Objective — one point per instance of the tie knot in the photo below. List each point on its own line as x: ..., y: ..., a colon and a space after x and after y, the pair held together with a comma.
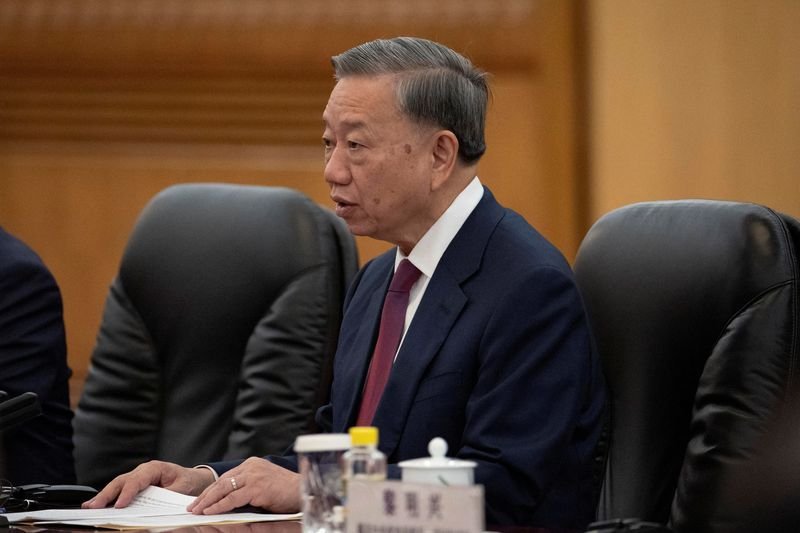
x: 404, y: 277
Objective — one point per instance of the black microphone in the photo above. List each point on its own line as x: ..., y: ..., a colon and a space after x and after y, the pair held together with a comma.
x: 19, y: 409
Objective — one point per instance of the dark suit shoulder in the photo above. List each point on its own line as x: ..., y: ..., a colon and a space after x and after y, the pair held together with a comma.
x: 514, y: 237
x: 17, y: 258
x: 25, y: 281
x: 33, y: 355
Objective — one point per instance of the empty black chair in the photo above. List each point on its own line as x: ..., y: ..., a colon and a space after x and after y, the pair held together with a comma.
x: 218, y: 331
x: 694, y: 306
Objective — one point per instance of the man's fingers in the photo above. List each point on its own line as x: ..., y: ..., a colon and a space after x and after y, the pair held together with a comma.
x: 123, y: 489
x: 214, y: 493
x: 202, y: 497
x: 137, y: 480
x: 105, y: 496
x: 98, y: 502
x: 234, y: 499
x: 130, y: 489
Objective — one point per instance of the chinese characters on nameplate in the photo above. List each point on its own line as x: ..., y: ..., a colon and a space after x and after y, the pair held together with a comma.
x: 395, y: 507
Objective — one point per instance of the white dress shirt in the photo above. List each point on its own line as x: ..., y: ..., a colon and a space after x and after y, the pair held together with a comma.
x: 431, y: 247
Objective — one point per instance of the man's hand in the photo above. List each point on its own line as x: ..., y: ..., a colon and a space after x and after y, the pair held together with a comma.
x: 168, y: 475
x: 255, y: 482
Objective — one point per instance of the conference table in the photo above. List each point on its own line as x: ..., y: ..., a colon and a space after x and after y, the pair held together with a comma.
x: 288, y: 526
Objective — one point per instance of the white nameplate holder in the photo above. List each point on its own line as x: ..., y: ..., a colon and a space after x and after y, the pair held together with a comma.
x: 394, y: 506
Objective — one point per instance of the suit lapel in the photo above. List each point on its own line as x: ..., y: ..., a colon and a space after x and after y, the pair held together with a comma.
x: 359, y: 350
x: 440, y: 307
x: 430, y: 327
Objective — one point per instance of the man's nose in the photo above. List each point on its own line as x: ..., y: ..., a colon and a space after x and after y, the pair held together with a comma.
x: 336, y: 169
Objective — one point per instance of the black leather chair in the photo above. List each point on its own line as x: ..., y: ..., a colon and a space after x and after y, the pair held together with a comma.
x: 218, y: 332
x: 696, y: 314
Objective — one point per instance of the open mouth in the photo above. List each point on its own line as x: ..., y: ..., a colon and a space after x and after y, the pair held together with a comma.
x: 343, y: 209
x: 342, y: 206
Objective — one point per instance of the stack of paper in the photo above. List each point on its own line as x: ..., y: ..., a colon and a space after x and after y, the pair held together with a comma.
x: 152, y: 508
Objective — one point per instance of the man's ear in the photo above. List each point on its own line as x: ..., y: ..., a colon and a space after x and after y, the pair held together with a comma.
x: 445, y: 155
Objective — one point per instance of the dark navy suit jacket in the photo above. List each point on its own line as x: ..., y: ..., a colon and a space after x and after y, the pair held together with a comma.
x: 33, y: 359
x: 498, y: 360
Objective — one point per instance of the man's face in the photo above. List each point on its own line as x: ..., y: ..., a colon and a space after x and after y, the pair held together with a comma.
x: 377, y: 161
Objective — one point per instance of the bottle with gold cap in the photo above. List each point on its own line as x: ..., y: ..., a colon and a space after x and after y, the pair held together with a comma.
x: 364, y: 460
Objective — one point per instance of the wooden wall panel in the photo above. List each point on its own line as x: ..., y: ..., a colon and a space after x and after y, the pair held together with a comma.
x: 286, y: 36
x: 105, y: 102
x: 147, y: 108
x: 695, y: 99
x: 77, y: 208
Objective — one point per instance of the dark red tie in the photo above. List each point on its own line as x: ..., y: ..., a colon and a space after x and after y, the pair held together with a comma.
x: 393, y: 319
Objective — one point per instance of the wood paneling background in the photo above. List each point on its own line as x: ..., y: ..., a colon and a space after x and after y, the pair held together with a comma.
x: 694, y: 98
x: 596, y: 104
x: 105, y: 102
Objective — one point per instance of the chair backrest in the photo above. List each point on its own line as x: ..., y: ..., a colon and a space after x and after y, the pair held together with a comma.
x: 694, y: 308
x: 218, y: 332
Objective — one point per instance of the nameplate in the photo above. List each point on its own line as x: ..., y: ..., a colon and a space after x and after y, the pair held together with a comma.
x: 396, y: 507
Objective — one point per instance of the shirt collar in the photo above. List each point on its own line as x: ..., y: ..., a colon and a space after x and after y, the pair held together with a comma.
x: 431, y: 247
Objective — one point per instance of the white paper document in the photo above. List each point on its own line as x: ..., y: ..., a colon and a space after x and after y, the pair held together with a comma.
x: 153, y: 507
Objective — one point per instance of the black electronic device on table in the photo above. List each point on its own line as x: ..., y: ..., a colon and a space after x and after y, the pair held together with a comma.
x: 39, y: 496
x: 19, y: 409
x: 15, y: 411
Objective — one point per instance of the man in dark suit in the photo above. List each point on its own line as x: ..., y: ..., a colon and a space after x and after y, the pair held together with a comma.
x: 497, y: 356
x: 33, y: 358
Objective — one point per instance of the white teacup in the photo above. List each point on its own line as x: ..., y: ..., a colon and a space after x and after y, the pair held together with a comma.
x: 438, y: 469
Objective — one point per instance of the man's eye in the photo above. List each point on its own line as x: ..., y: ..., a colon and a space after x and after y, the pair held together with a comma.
x: 352, y: 145
x: 327, y: 143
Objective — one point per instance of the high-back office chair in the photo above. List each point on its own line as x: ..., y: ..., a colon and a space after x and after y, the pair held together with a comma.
x: 218, y: 331
x: 696, y: 314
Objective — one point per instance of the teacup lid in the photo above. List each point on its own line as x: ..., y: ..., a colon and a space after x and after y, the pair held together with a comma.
x: 437, y: 447
x: 322, y: 442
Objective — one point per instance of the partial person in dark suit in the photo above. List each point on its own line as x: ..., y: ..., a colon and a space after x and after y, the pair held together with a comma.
x: 33, y: 358
x: 497, y: 356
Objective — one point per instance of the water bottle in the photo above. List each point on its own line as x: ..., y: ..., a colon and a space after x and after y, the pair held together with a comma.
x: 364, y: 460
